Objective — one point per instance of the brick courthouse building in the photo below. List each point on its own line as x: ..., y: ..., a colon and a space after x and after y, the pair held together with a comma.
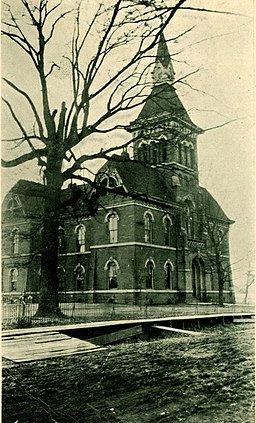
x: 149, y: 238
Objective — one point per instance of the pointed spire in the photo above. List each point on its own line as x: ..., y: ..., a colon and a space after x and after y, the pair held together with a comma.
x: 163, y: 71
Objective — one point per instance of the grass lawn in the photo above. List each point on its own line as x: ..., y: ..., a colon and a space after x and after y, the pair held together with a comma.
x: 172, y: 379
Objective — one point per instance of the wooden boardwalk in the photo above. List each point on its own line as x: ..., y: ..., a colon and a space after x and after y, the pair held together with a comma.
x: 22, y: 345
x: 39, y: 346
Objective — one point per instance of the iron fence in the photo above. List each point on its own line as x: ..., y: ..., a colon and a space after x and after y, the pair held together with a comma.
x: 24, y: 313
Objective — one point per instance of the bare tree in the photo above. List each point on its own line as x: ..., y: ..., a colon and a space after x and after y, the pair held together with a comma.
x: 111, y: 28
x: 217, y: 250
x: 249, y: 282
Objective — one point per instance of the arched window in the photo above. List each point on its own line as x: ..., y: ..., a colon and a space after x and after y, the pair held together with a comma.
x: 189, y: 218
x: 15, y: 241
x: 61, y: 240
x: 150, y: 266
x: 167, y: 230
x: 111, y: 268
x: 168, y: 269
x: 13, y: 203
x: 80, y: 241
x: 13, y: 279
x: 112, y: 219
x: 79, y: 277
x: 148, y: 226
x: 61, y: 275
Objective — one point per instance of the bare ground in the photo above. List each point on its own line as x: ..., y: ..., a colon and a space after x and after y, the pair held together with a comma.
x: 175, y: 379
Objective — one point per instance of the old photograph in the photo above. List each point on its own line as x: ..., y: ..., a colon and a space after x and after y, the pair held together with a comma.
x: 128, y: 204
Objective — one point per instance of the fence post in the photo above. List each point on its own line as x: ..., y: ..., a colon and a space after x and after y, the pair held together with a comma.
x: 113, y: 313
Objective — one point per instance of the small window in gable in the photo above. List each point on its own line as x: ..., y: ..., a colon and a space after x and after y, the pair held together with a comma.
x: 13, y: 204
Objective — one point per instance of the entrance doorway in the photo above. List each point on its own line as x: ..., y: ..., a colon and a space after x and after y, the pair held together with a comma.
x: 198, y: 279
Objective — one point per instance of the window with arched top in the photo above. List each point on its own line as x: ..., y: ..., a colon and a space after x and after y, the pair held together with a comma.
x: 111, y: 268
x: 150, y: 268
x: 13, y: 279
x: 79, y: 277
x: 148, y: 226
x: 61, y: 240
x: 80, y: 240
x: 168, y: 270
x: 15, y: 242
x: 189, y: 219
x: 61, y: 275
x: 167, y: 230
x: 112, y: 219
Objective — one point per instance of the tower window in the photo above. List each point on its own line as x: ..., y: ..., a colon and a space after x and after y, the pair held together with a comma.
x: 148, y: 226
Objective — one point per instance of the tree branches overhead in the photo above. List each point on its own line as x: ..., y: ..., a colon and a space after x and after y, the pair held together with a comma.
x: 110, y: 48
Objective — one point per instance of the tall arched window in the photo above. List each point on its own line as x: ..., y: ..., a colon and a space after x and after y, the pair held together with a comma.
x: 150, y: 266
x: 61, y: 275
x: 79, y: 277
x: 15, y: 241
x: 112, y: 219
x: 168, y: 269
x: 13, y: 279
x: 61, y: 240
x: 148, y: 226
x: 111, y: 268
x: 80, y: 241
x: 167, y: 230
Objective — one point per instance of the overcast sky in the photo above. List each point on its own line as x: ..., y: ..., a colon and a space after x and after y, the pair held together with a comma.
x: 221, y: 48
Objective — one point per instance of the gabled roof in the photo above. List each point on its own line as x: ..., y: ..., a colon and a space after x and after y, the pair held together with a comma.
x: 139, y: 179
x: 212, y: 207
x: 30, y: 196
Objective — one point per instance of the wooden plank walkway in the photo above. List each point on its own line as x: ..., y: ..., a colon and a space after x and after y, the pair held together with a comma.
x: 39, y: 346
x: 110, y: 323
x: 182, y: 331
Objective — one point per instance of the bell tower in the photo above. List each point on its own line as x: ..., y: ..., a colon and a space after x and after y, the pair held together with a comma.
x: 164, y: 135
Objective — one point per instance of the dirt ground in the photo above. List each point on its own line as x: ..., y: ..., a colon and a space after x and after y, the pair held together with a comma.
x: 172, y: 379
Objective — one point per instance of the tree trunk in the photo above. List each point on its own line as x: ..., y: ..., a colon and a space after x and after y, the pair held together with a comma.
x: 48, y: 299
x: 221, y: 296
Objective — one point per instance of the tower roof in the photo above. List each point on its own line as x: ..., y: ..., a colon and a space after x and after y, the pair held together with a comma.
x: 163, y: 70
x: 163, y: 101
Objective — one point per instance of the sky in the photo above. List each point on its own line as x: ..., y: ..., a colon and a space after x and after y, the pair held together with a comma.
x: 218, y: 97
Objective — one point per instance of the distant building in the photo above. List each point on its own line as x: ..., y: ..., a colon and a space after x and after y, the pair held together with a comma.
x: 148, y: 241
